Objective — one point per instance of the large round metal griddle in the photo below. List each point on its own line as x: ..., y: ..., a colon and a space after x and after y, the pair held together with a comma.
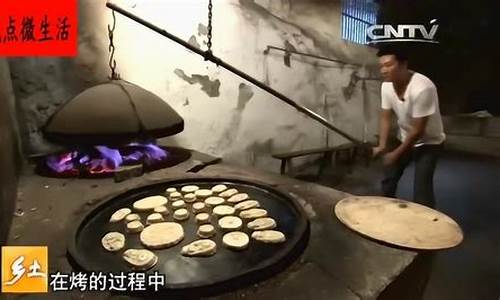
x: 399, y: 222
x: 227, y: 269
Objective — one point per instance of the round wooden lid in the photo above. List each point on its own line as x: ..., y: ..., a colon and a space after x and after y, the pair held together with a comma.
x: 399, y: 222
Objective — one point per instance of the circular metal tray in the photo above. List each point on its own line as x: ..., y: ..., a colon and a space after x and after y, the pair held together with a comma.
x: 226, y: 270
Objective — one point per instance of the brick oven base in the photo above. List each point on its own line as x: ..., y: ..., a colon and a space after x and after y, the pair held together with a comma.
x: 337, y: 263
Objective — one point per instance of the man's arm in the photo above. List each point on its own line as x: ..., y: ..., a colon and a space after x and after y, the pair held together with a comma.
x: 416, y: 133
x: 384, y: 122
x: 385, y: 125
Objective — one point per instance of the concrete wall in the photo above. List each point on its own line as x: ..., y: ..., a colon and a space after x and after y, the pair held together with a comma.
x: 472, y: 126
x: 9, y: 155
x: 224, y: 115
x: 476, y: 135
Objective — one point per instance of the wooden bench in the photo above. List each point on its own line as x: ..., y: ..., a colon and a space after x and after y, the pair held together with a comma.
x: 327, y: 152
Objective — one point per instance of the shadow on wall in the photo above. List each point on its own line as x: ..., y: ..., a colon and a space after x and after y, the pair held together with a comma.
x: 255, y: 150
x: 263, y: 150
x: 210, y: 87
x: 259, y: 149
x: 245, y: 93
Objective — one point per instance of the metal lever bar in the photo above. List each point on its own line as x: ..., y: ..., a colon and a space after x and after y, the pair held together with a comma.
x: 269, y: 47
x: 209, y: 56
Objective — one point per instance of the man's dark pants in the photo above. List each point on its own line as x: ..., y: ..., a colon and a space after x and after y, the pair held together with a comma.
x: 425, y: 158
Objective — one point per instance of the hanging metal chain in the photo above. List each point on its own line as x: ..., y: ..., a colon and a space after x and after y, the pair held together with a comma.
x: 209, y: 35
x: 112, y: 62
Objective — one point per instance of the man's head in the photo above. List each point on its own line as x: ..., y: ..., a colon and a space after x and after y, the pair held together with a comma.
x: 393, y: 63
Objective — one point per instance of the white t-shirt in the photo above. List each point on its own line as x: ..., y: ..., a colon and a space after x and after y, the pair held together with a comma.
x: 420, y: 100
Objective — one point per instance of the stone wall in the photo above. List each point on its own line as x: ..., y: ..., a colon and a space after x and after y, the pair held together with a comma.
x: 9, y: 155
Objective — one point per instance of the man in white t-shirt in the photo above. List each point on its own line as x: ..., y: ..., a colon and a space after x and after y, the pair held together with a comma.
x: 413, y: 98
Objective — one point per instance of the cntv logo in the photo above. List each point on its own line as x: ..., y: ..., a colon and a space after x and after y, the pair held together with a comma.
x: 402, y: 33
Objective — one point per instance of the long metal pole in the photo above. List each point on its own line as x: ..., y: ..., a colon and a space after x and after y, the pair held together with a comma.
x: 269, y: 47
x: 209, y: 56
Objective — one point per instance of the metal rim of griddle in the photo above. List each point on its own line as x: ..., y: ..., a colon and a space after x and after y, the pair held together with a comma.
x: 292, y: 250
x: 180, y: 155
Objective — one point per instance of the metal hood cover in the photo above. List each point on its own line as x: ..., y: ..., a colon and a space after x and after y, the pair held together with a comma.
x: 113, y: 112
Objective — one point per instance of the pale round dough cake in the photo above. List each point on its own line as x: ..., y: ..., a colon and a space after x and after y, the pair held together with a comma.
x: 154, y: 218
x: 253, y: 213
x: 238, y: 198
x: 203, y: 193
x: 175, y: 196
x: 202, y: 218
x: 198, y: 207
x: 113, y: 241
x: 134, y: 226
x: 269, y: 236
x: 262, y: 224
x: 181, y: 214
x: 161, y: 210
x: 149, y: 203
x: 223, y: 210
x: 170, y: 190
x: 202, y: 247
x: 206, y: 231
x: 189, y: 188
x: 191, y: 197
x: 214, y: 201
x: 119, y: 215
x: 132, y: 217
x: 178, y: 204
x: 228, y: 193
x: 236, y: 240
x: 219, y: 188
x: 162, y: 235
x: 248, y: 204
x: 140, y: 259
x: 229, y: 223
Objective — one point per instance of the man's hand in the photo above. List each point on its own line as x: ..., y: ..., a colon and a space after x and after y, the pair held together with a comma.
x: 390, y: 158
x: 376, y: 151
x: 418, y: 128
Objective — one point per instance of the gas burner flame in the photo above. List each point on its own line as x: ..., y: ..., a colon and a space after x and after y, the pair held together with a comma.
x: 103, y: 159
x: 61, y: 163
